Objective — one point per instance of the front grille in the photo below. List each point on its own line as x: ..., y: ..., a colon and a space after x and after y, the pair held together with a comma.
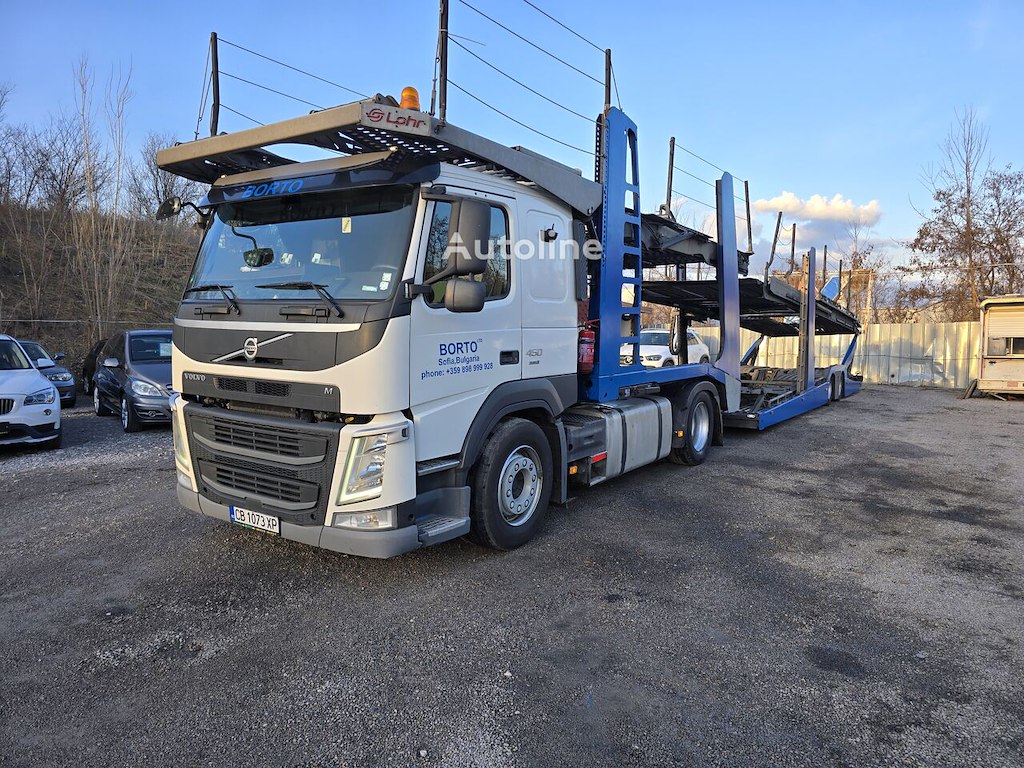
x: 253, y: 386
x: 272, y: 388
x: 250, y: 483
x: 6, y: 406
x: 232, y: 385
x: 275, y: 465
x: 255, y: 438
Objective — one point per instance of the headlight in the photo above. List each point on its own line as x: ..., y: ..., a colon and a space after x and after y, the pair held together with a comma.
x: 145, y: 389
x: 42, y: 397
x: 653, y: 358
x: 367, y: 521
x: 59, y: 376
x: 180, y: 454
x: 364, y: 469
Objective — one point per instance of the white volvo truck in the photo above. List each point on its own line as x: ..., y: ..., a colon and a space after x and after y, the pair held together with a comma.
x: 347, y: 378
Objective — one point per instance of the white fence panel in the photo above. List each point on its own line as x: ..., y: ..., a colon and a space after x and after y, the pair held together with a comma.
x: 920, y: 354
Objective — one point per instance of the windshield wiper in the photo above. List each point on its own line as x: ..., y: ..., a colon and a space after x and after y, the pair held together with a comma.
x: 329, y: 300
x: 225, y: 290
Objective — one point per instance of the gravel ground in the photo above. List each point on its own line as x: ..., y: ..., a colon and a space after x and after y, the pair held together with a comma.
x: 845, y: 589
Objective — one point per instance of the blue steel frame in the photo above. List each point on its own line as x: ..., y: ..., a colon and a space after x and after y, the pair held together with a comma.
x: 621, y: 268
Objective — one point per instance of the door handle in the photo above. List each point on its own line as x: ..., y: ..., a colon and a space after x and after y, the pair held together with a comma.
x: 509, y: 357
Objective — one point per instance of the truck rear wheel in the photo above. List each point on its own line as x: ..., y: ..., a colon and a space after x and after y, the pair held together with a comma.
x: 699, y: 432
x: 511, y: 485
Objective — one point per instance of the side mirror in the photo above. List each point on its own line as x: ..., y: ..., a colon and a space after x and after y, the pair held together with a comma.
x: 469, y: 241
x: 58, y: 357
x: 258, y: 257
x: 169, y: 208
x: 44, y: 362
x: 111, y: 362
x: 464, y: 295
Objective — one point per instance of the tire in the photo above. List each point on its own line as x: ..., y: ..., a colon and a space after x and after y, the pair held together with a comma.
x: 97, y: 403
x: 700, y: 428
x: 129, y: 421
x: 705, y: 359
x: 511, y: 485
x: 667, y: 364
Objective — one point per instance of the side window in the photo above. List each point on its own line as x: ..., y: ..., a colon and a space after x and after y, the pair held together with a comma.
x: 496, y: 277
x: 113, y: 348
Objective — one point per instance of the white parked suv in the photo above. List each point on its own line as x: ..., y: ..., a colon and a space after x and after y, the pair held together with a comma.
x: 655, y: 351
x: 29, y: 403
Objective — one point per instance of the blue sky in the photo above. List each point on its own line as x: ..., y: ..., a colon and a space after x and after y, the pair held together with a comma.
x: 847, y: 99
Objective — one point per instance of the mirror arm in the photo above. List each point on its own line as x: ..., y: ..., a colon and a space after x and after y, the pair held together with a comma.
x: 412, y: 290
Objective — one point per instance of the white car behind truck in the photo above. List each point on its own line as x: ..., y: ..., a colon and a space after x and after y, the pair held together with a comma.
x: 656, y: 349
x: 29, y: 403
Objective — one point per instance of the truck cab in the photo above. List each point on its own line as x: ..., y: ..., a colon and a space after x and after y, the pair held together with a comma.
x: 339, y: 376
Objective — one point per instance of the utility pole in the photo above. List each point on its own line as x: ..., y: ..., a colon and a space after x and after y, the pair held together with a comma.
x: 750, y: 225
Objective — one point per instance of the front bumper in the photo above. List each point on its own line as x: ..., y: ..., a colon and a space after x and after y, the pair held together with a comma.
x: 446, y: 504
x: 67, y: 390
x: 14, y: 433
x: 151, y: 410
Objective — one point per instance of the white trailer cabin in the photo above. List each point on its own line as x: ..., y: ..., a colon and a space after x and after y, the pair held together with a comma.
x: 1002, y: 345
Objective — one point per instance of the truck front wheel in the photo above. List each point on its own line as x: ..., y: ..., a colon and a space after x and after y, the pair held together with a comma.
x: 511, y: 485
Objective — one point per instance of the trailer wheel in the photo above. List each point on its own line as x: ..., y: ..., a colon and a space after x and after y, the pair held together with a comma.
x: 700, y: 427
x: 511, y: 485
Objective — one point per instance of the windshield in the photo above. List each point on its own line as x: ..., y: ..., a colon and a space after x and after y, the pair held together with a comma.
x: 353, y: 243
x: 149, y: 349
x: 35, y: 351
x: 654, y: 338
x: 11, y: 357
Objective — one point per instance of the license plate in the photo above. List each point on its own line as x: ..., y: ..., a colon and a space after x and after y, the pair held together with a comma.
x: 4, y: 428
x: 256, y: 520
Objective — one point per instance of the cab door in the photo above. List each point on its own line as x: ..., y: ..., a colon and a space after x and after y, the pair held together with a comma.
x: 458, y: 359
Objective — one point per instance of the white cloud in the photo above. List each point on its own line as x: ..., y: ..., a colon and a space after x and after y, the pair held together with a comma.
x: 821, y: 208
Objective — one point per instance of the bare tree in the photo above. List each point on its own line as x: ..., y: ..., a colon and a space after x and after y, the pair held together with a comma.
x: 971, y: 242
x: 102, y: 234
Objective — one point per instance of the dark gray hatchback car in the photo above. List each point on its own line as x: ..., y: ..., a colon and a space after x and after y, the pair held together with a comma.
x: 133, y: 378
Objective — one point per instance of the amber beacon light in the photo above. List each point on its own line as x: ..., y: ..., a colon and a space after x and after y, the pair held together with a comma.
x: 410, y: 98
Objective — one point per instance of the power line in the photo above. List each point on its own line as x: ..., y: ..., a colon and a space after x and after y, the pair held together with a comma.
x: 530, y: 42
x: 705, y: 181
x: 272, y: 90
x: 295, y: 69
x: 565, y: 26
x: 695, y: 200
x: 694, y: 154
x: 518, y: 82
x: 207, y: 80
x: 517, y: 122
x: 706, y: 205
x: 240, y: 114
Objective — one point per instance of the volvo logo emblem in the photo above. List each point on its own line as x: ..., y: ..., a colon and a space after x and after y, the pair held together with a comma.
x: 250, y: 348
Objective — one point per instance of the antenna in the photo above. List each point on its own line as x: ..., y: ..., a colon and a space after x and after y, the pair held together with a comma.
x: 215, y: 76
x: 441, y: 83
